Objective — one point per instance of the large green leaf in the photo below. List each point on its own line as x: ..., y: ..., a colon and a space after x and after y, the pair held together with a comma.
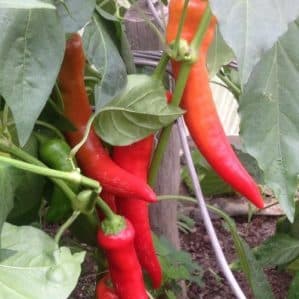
x: 252, y: 27
x: 219, y: 54
x: 139, y: 111
x: 21, y: 4
x: 7, y: 188
x: 278, y: 250
x: 269, y: 111
x: 74, y: 14
x: 249, y: 265
x: 103, y: 53
x: 38, y: 269
x: 31, y: 51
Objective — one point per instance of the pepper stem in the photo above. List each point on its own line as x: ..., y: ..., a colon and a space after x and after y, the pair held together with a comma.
x: 161, y: 67
x: 234, y: 89
x: 180, y: 27
x: 50, y: 127
x: 113, y: 223
x: 200, y: 33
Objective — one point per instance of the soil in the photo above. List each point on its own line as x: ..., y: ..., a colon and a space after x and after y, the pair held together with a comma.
x: 254, y: 232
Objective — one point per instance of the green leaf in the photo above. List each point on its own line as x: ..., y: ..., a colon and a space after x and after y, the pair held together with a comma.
x: 293, y: 267
x: 294, y: 288
x: 176, y: 264
x: 74, y: 14
x: 125, y: 50
x: 278, y: 250
x: 248, y: 32
x: 141, y: 109
x: 28, y: 191
x: 7, y: 189
x: 103, y: 54
x: 284, y: 226
x: 269, y: 111
x: 251, y: 165
x: 31, y: 51
x: 28, y: 4
x: 210, y: 182
x: 219, y: 54
x: 38, y: 269
x: 249, y: 265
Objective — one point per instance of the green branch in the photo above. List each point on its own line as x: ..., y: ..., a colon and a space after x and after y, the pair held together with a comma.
x: 73, y: 177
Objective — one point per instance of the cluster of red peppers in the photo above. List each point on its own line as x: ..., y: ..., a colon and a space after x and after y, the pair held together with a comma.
x: 124, y: 181
x: 123, y: 175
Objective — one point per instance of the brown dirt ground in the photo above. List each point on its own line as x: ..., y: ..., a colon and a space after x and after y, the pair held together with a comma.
x: 198, y: 244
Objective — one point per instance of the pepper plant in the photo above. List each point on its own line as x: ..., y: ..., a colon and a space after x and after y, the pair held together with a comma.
x: 77, y: 137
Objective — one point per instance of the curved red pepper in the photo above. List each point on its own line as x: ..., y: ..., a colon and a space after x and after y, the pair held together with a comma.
x: 124, y: 266
x: 103, y: 290
x: 92, y: 157
x: 135, y: 158
x: 201, y: 116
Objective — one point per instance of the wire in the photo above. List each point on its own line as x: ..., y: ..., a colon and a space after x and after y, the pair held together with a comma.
x: 205, y: 215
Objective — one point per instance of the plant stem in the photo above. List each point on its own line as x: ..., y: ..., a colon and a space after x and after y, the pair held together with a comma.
x: 234, y: 89
x: 50, y: 127
x: 66, y: 225
x: 177, y: 197
x: 59, y: 97
x: 105, y: 208
x: 177, y: 95
x: 200, y: 33
x: 73, y: 176
x: 180, y: 27
x: 165, y: 134
x: 77, y: 147
x: 91, y: 78
x: 159, y: 71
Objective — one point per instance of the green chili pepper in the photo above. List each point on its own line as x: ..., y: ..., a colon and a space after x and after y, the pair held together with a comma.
x: 55, y: 153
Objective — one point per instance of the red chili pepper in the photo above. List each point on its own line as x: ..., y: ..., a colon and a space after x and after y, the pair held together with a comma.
x: 92, y: 157
x: 124, y: 266
x: 201, y: 117
x: 135, y: 158
x: 103, y: 290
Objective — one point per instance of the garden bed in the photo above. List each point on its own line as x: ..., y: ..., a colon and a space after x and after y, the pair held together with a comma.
x: 254, y: 232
